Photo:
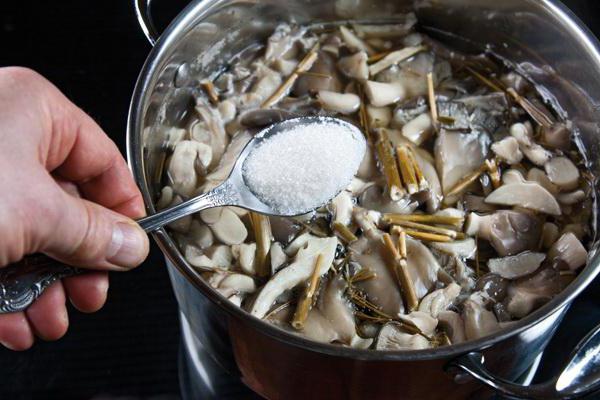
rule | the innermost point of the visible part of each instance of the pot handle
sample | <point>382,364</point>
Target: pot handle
<point>581,375</point>
<point>144,17</point>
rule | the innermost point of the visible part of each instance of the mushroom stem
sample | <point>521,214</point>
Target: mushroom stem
<point>431,95</point>
<point>409,176</point>
<point>429,228</point>
<point>303,66</point>
<point>431,219</point>
<point>343,232</point>
<point>388,165</point>
<point>306,302</point>
<point>399,268</point>
<point>262,234</point>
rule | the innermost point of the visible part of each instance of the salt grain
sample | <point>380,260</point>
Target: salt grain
<point>301,168</point>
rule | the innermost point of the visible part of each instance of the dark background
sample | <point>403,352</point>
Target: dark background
<point>93,51</point>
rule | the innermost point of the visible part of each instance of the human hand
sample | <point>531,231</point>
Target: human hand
<point>66,192</point>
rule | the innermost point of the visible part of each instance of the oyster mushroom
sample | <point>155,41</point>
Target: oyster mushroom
<point>439,300</point>
<point>549,234</point>
<point>423,267</point>
<point>240,283</point>
<point>529,293</point>
<point>353,42</point>
<point>533,151</point>
<point>297,272</point>
<point>493,286</point>
<point>539,176</point>
<point>454,326</point>
<point>449,151</point>
<point>392,336</point>
<point>337,310</point>
<point>463,274</point>
<point>189,161</point>
<point>465,248</point>
<point>213,124</point>
<point>374,198</point>
<point>508,150</point>
<point>181,225</point>
<point>558,136</point>
<point>368,167</point>
<point>244,253</point>
<point>324,77</point>
<point>383,94</point>
<point>530,195</point>
<point>262,117</point>
<point>571,198</point>
<point>278,257</point>
<point>418,129</point>
<point>379,117</point>
<point>355,66</point>
<point>218,256</point>
<point>512,267</point>
<point>318,328</point>
<point>173,136</point>
<point>569,250</point>
<point>165,199</point>
<point>227,111</point>
<point>200,235</point>
<point>479,321</point>
<point>562,172</point>
<point>222,171</point>
<point>229,228</point>
<point>285,67</point>
<point>393,58</point>
<point>341,207</point>
<point>509,232</point>
<point>344,103</point>
<point>281,41</point>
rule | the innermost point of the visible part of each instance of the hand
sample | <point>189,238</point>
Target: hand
<point>66,192</point>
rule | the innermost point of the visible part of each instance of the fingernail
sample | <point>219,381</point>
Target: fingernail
<point>128,246</point>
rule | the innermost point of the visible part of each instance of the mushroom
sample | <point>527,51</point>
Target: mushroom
<point>558,136</point>
<point>318,328</point>
<point>423,321</point>
<point>508,150</point>
<point>392,336</point>
<point>173,136</point>
<point>355,66</point>
<point>299,242</point>
<point>479,322</point>
<point>439,300</point>
<point>512,267</point>
<point>435,196</point>
<point>539,176</point>
<point>399,28</point>
<point>454,326</point>
<point>465,248</point>
<point>374,198</point>
<point>422,267</point>
<point>266,85</point>
<point>281,41</point>
<point>229,228</point>
<point>244,253</point>
<point>200,235</point>
<point>379,117</point>
<point>509,232</point>
<point>492,286</point>
<point>562,172</point>
<point>227,111</point>
<point>549,234</point>
<point>383,94</point>
<point>463,274</point>
<point>182,224</point>
<point>569,250</point>
<point>353,42</point>
<point>240,283</point>
<point>458,114</point>
<point>450,149</point>
<point>533,151</point>
<point>337,310</point>
<point>529,293</point>
<point>285,67</point>
<point>324,77</point>
<point>189,160</point>
<point>262,117</point>
<point>222,171</point>
<point>530,195</point>
<point>393,58</point>
<point>165,199</point>
<point>418,129</point>
<point>341,208</point>
<point>278,257</point>
<point>218,256</point>
<point>358,342</point>
<point>571,198</point>
<point>297,272</point>
<point>344,103</point>
<point>368,167</point>
<point>476,203</point>
<point>212,123</point>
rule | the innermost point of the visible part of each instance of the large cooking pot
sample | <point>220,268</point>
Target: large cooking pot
<point>540,37</point>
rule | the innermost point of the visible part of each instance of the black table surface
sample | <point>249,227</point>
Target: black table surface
<point>93,51</point>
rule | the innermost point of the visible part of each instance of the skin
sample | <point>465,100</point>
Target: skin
<point>67,193</point>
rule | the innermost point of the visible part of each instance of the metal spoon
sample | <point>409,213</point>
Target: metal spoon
<point>23,282</point>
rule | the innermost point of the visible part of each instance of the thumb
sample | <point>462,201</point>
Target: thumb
<point>88,235</point>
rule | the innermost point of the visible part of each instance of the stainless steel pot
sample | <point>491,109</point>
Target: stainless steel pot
<point>540,37</point>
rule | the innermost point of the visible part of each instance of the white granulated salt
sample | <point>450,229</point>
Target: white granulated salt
<point>301,168</point>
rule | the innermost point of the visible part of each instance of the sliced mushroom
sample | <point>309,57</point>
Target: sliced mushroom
<point>463,275</point>
<point>439,300</point>
<point>465,248</point>
<point>324,77</point>
<point>278,257</point>
<point>229,229</point>
<point>422,267</point>
<point>222,171</point>
<point>181,225</point>
<point>571,198</point>
<point>479,321</point>
<point>454,326</point>
<point>318,328</point>
<point>285,67</point>
<point>493,286</point>
<point>419,129</point>
<point>227,110</point>
<point>558,136</point>
<point>393,58</point>
<point>368,167</point>
<point>212,122</point>
<point>337,310</point>
<point>508,150</point>
<point>355,66</point>
<point>374,198</point>
<point>539,176</point>
<point>240,283</point>
<point>530,293</point>
<point>281,41</point>
<point>341,207</point>
<point>344,103</point>
<point>530,195</point>
<point>219,256</point>
<point>569,250</point>
<point>434,199</point>
<point>562,172</point>
<point>353,42</point>
<point>383,94</point>
<point>296,273</point>
<point>549,234</point>
<point>379,117</point>
<point>512,267</point>
<point>358,342</point>
<point>264,116</point>
<point>189,161</point>
<point>173,136</point>
<point>165,199</point>
<point>200,235</point>
<point>393,337</point>
<point>533,151</point>
<point>509,232</point>
<point>244,253</point>
<point>450,149</point>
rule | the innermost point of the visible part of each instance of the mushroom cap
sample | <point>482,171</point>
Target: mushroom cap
<point>516,266</point>
<point>355,66</point>
<point>530,195</point>
<point>229,228</point>
<point>569,249</point>
<point>453,324</point>
<point>344,103</point>
<point>393,337</point>
<point>562,172</point>
<point>383,94</point>
<point>439,300</point>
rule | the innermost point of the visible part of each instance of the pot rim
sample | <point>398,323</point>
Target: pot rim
<point>146,80</point>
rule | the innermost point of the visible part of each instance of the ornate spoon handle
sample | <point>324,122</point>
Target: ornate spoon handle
<point>21,283</point>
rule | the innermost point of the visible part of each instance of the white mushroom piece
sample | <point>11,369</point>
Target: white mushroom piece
<point>337,310</point>
<point>517,266</point>
<point>529,293</point>
<point>418,129</point>
<point>383,94</point>
<point>210,130</point>
<point>439,300</point>
<point>237,283</point>
<point>562,172</point>
<point>229,228</point>
<point>508,150</point>
<point>509,232</point>
<point>479,321</point>
<point>394,58</point>
<point>244,253</point>
<point>379,117</point>
<point>393,336</point>
<point>215,257</point>
<point>188,163</point>
<point>533,151</point>
<point>295,273</point>
<point>558,136</point>
<point>353,42</point>
<point>569,250</point>
<point>201,235</point>
<point>539,176</point>
<point>453,325</point>
<point>344,103</point>
<point>222,171</point>
<point>526,194</point>
<point>355,66</point>
<point>465,248</point>
<point>341,208</point>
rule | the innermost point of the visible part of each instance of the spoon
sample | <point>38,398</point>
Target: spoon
<point>23,282</point>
